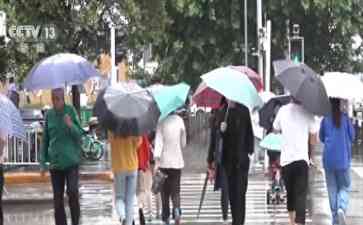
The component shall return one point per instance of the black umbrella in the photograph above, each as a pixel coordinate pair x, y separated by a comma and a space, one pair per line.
126, 109
269, 110
204, 190
304, 84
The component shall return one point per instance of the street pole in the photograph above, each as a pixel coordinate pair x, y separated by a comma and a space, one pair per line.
268, 56
260, 37
246, 33
113, 58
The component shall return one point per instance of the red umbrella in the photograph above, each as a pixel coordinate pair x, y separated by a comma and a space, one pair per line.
254, 77
207, 97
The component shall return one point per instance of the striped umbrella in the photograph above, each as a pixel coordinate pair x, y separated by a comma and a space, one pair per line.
10, 119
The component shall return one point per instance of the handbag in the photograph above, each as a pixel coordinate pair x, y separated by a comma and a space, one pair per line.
158, 181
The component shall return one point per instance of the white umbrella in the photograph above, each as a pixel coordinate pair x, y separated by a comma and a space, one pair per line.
58, 71
343, 85
10, 119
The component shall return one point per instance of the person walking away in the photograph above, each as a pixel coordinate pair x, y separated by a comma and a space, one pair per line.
298, 130
124, 163
337, 134
216, 171
169, 143
238, 144
144, 180
61, 150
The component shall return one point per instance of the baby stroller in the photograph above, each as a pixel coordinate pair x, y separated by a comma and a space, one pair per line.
276, 193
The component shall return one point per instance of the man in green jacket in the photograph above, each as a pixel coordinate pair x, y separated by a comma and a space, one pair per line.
61, 154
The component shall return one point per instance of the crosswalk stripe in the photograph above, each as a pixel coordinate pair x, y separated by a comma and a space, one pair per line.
257, 210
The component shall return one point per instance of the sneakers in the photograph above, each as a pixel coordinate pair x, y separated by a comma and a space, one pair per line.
341, 217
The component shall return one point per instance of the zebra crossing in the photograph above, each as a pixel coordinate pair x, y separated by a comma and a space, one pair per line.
97, 207
257, 210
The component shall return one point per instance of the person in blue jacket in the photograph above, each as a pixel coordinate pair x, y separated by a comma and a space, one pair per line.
337, 134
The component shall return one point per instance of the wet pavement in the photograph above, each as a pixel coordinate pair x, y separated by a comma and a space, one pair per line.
32, 204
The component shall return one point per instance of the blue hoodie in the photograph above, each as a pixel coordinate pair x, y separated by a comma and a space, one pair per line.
337, 143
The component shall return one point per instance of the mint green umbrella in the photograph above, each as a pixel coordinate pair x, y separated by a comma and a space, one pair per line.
170, 98
233, 85
272, 142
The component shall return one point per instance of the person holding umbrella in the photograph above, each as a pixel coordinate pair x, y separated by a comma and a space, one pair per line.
170, 140
337, 134
124, 167
298, 130
216, 171
238, 144
11, 126
61, 150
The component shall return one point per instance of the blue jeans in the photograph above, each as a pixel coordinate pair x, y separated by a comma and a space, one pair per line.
339, 185
125, 188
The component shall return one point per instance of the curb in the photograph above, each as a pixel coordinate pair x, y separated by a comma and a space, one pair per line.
36, 177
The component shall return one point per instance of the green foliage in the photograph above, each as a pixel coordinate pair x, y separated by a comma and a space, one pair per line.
200, 35
189, 37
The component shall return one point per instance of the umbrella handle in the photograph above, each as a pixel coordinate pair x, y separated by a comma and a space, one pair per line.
226, 115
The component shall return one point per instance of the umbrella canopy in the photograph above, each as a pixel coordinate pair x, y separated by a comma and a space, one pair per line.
304, 85
58, 71
343, 85
252, 75
233, 85
272, 142
170, 98
207, 97
10, 119
269, 110
127, 109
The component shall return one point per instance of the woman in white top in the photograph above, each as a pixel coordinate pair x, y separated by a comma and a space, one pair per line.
169, 141
298, 129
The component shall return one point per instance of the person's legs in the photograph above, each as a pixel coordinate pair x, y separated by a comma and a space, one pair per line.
58, 182
224, 202
344, 187
175, 194
224, 193
288, 178
237, 185
1, 194
140, 189
165, 196
331, 184
72, 178
301, 170
131, 181
120, 194
147, 194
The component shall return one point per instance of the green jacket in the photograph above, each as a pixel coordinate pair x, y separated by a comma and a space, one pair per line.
61, 145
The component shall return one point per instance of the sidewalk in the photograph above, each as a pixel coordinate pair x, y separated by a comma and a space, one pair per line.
89, 171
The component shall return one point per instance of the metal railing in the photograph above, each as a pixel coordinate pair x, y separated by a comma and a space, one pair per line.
23, 152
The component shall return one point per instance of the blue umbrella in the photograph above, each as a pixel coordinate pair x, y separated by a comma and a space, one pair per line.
170, 98
58, 71
233, 85
10, 119
272, 142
